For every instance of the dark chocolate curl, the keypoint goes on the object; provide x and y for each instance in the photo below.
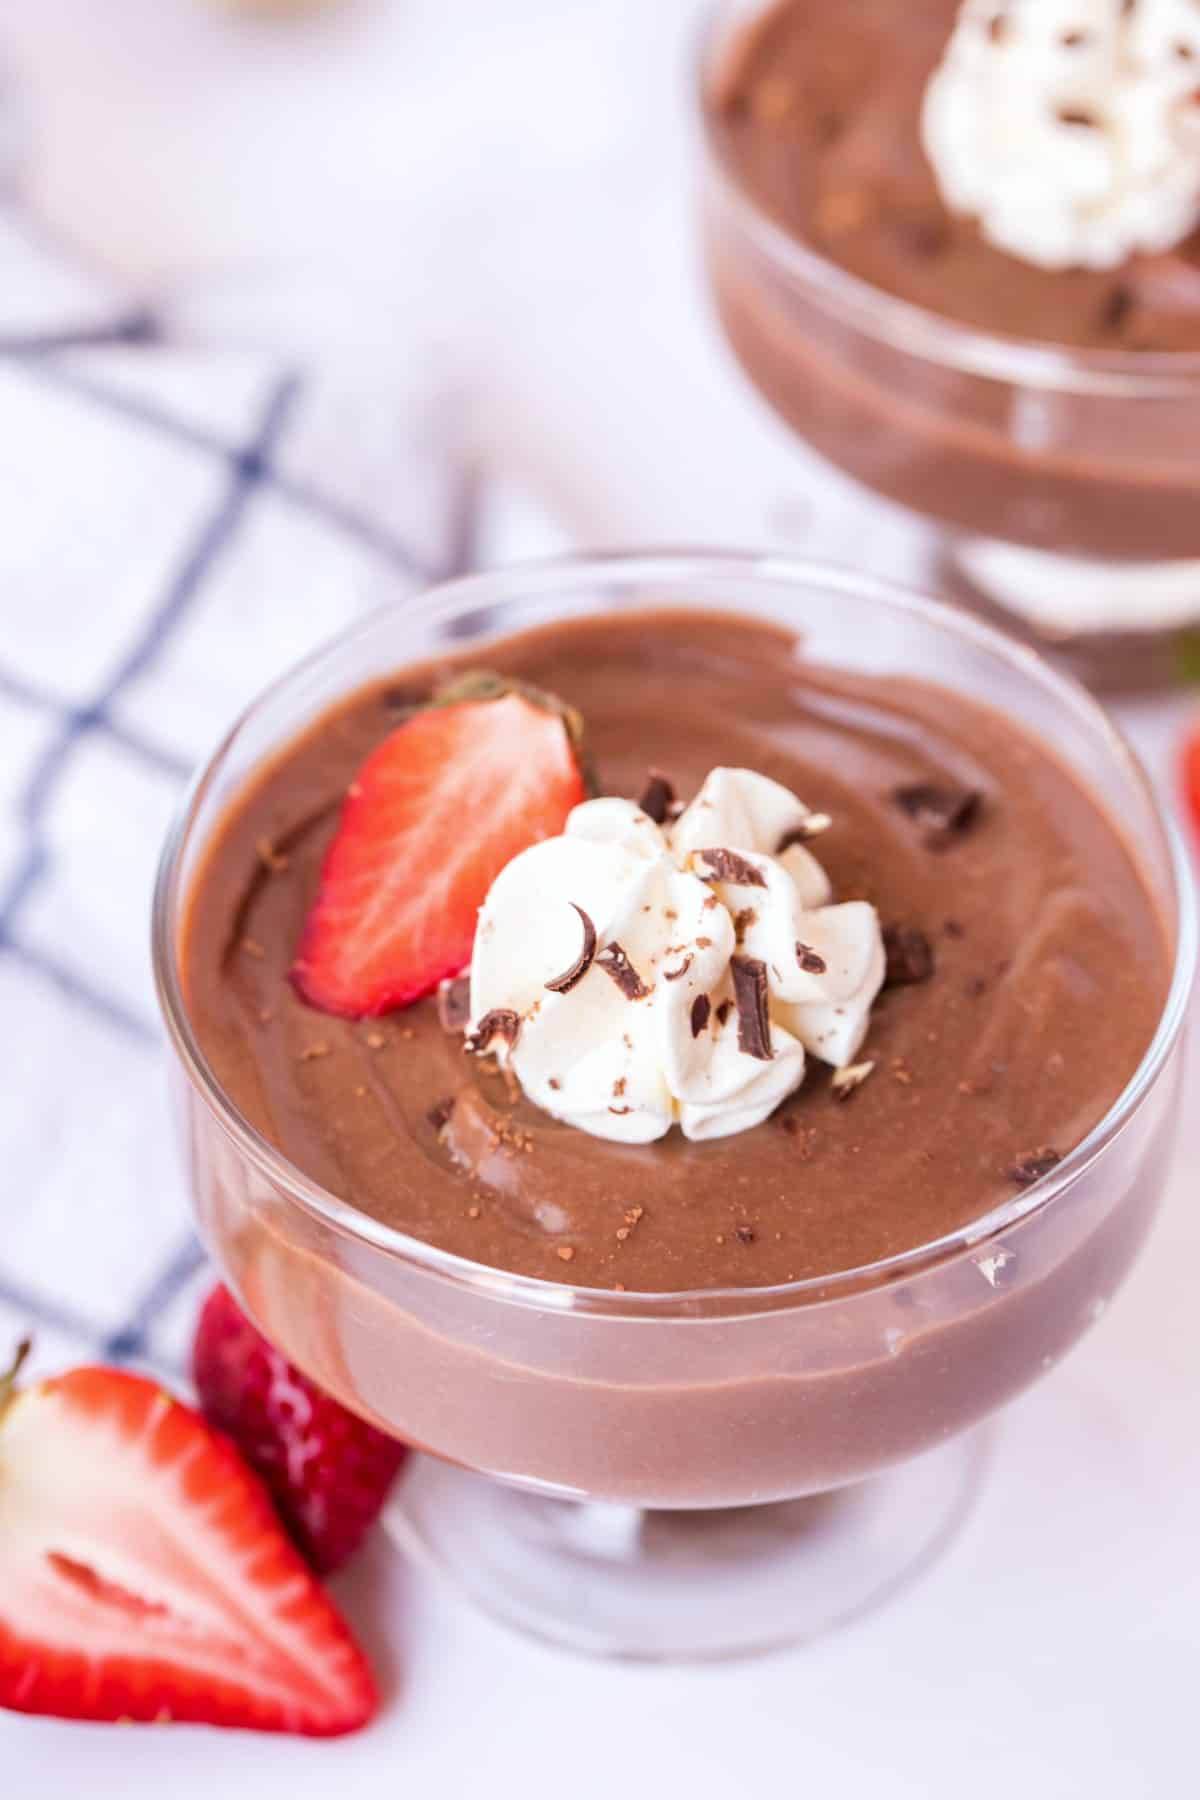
(727, 865)
(658, 797)
(754, 1023)
(617, 966)
(500, 1022)
(562, 984)
(909, 956)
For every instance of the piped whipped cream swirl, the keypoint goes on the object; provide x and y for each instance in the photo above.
(634, 977)
(1070, 128)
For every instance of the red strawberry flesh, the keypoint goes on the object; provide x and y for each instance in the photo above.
(327, 1470)
(434, 814)
(144, 1576)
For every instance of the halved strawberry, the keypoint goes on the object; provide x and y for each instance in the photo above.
(432, 817)
(327, 1470)
(144, 1576)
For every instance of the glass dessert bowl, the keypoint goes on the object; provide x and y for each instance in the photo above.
(1060, 479)
(718, 1470)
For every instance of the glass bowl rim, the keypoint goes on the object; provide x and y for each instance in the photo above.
(447, 600)
(914, 329)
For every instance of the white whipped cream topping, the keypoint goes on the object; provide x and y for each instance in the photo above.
(1070, 128)
(627, 1068)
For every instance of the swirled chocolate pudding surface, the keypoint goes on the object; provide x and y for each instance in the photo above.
(1028, 971)
(820, 110)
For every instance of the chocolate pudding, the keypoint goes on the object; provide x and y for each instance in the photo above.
(814, 125)
(1028, 969)
(1027, 972)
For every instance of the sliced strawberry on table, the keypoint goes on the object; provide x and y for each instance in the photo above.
(327, 1470)
(144, 1576)
(432, 817)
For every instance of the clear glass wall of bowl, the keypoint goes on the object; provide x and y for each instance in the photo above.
(602, 1447)
(1060, 482)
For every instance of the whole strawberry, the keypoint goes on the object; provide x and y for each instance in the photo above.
(327, 1470)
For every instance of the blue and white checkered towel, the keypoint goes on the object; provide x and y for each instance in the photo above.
(176, 527)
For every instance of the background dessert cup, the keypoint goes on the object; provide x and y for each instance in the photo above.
(1063, 484)
(624, 1427)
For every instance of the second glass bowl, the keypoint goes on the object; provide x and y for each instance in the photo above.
(1064, 485)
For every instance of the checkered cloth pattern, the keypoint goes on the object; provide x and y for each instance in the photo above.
(176, 527)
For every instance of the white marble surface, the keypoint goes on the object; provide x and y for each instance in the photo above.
(494, 197)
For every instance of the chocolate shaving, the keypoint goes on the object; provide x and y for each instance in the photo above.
(620, 1111)
(1117, 308)
(1077, 115)
(754, 1023)
(944, 812)
(909, 956)
(727, 865)
(658, 797)
(998, 28)
(617, 966)
(742, 921)
(562, 984)
(745, 1234)
(926, 237)
(810, 827)
(500, 1022)
(1032, 1165)
(809, 961)
(454, 1005)
(1074, 40)
(439, 1115)
(723, 1011)
(680, 972)
(701, 1008)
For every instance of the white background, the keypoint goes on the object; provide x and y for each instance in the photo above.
(491, 199)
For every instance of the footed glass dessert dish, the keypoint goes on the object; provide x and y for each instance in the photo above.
(717, 1470)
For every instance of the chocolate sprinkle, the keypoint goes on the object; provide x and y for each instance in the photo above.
(1117, 308)
(754, 1024)
(562, 984)
(808, 828)
(701, 1008)
(658, 797)
(500, 1022)
(909, 956)
(745, 1234)
(617, 966)
(680, 972)
(1077, 115)
(1032, 1165)
(454, 1005)
(809, 961)
(998, 28)
(727, 865)
(439, 1115)
(944, 812)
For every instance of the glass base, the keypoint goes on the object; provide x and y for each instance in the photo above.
(613, 1581)
(1117, 624)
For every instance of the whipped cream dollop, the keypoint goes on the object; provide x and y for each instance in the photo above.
(1070, 128)
(636, 976)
